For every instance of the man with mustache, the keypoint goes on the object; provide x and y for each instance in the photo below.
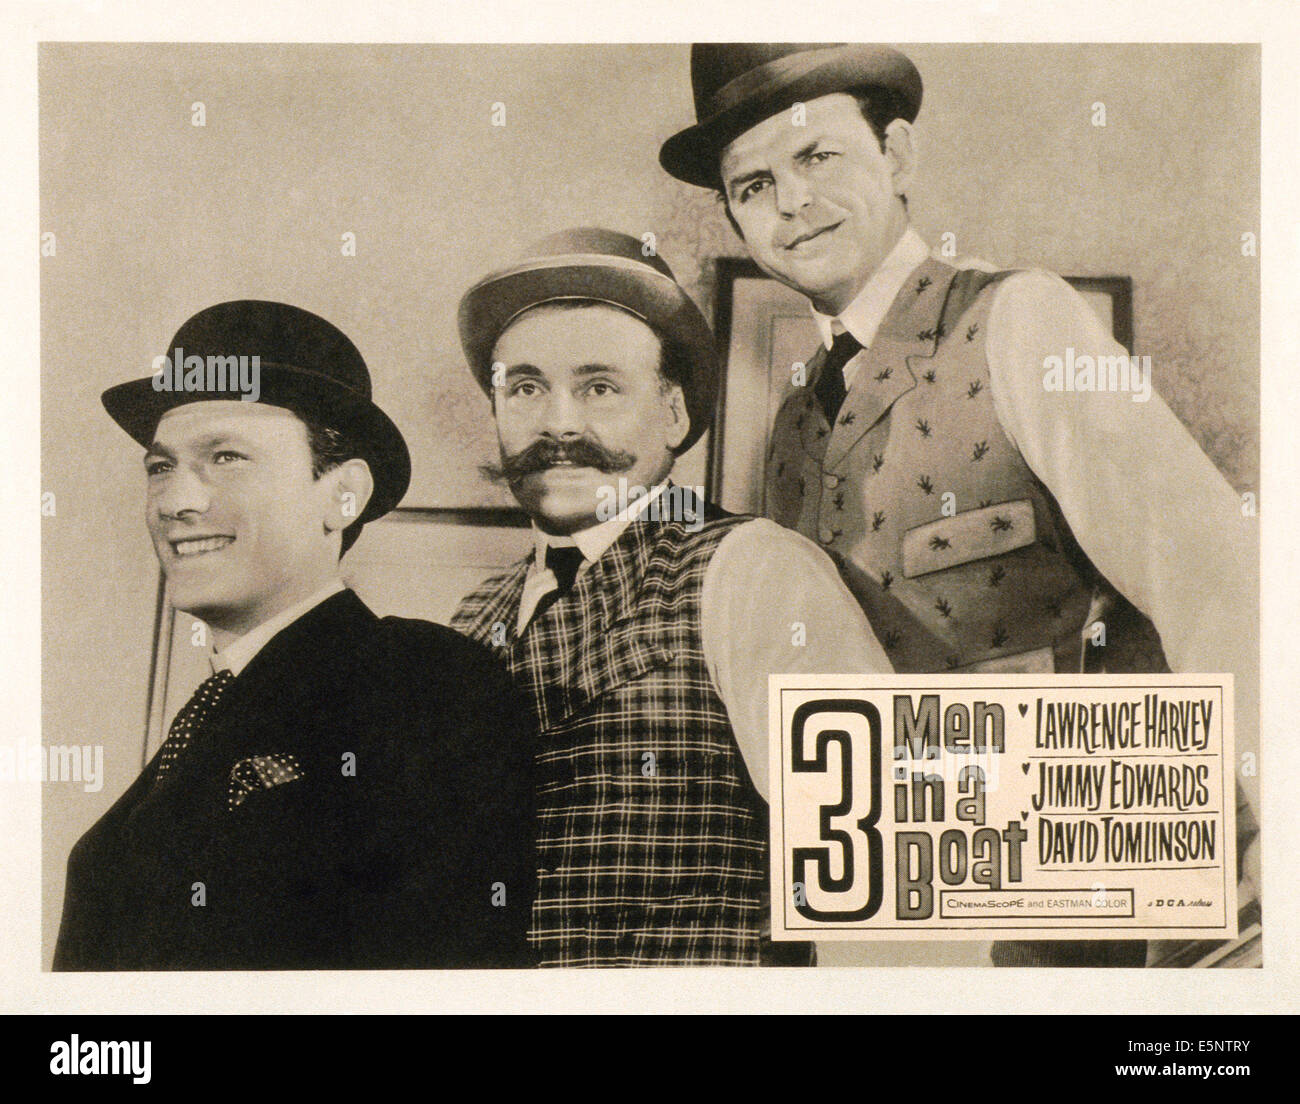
(344, 791)
(986, 519)
(645, 623)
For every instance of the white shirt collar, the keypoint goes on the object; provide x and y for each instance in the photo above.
(863, 316)
(593, 541)
(236, 655)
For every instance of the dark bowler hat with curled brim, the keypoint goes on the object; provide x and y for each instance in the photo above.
(600, 266)
(305, 363)
(739, 84)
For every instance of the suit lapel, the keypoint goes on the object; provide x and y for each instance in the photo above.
(620, 649)
(886, 371)
(609, 645)
(273, 706)
(610, 588)
(810, 421)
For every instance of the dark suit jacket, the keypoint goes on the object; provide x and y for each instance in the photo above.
(403, 864)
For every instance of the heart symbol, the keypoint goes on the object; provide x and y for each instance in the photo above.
(1023, 709)
(1024, 815)
(1024, 767)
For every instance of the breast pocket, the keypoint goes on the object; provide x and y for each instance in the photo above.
(968, 536)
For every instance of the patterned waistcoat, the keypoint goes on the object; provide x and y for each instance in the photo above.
(959, 555)
(652, 840)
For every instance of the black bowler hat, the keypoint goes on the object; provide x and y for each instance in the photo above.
(606, 267)
(304, 363)
(739, 84)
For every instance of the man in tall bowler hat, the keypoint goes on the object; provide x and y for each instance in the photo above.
(344, 791)
(985, 519)
(645, 622)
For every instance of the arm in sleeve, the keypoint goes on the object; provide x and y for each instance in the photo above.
(85, 937)
(773, 603)
(448, 869)
(496, 856)
(1148, 507)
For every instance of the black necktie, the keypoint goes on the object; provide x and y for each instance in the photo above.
(563, 562)
(189, 721)
(830, 387)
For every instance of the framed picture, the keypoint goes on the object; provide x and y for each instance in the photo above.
(763, 327)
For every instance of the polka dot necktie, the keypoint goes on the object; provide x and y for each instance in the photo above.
(830, 389)
(190, 719)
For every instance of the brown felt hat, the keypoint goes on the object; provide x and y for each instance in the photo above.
(603, 266)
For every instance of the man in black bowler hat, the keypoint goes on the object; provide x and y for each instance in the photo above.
(987, 516)
(344, 791)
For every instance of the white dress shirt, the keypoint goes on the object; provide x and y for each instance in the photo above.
(1146, 504)
(236, 655)
(772, 602)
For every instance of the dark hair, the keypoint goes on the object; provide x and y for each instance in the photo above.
(674, 371)
(878, 109)
(330, 448)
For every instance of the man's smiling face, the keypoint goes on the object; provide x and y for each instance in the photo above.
(237, 519)
(819, 204)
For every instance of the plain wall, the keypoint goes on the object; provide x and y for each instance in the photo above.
(155, 219)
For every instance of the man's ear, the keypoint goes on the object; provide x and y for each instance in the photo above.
(900, 148)
(680, 424)
(350, 491)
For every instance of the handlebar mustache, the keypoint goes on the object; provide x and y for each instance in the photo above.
(546, 452)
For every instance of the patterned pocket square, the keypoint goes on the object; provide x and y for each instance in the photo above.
(260, 772)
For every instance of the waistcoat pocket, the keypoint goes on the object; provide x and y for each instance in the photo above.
(968, 536)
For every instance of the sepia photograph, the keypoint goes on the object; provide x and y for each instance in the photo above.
(496, 435)
(541, 508)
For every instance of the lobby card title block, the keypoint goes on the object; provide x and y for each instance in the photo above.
(998, 806)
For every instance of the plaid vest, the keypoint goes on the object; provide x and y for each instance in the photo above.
(652, 841)
(959, 555)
